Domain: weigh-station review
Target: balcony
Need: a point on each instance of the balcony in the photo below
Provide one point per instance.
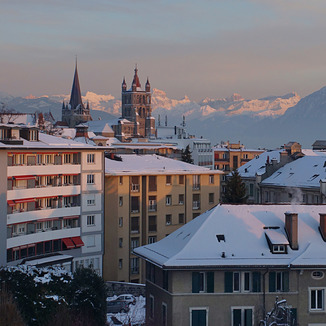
(152, 208)
(196, 187)
(43, 169)
(42, 236)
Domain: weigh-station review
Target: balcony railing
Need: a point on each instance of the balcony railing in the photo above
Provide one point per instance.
(152, 208)
(196, 187)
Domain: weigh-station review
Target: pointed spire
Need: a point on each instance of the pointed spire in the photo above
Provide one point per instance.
(124, 85)
(148, 86)
(136, 81)
(75, 97)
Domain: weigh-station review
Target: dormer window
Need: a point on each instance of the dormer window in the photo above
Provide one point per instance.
(279, 249)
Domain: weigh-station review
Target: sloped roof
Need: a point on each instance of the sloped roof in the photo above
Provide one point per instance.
(195, 245)
(257, 165)
(304, 172)
(152, 164)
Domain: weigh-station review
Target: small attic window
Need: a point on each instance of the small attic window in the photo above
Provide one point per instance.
(313, 177)
(279, 249)
(277, 174)
(220, 237)
(325, 164)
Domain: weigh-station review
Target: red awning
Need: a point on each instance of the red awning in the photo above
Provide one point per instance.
(77, 241)
(25, 200)
(69, 244)
(25, 177)
(11, 203)
(70, 217)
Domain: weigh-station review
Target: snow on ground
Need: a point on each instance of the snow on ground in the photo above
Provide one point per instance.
(135, 316)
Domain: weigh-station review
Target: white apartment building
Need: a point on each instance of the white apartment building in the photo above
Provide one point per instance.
(52, 200)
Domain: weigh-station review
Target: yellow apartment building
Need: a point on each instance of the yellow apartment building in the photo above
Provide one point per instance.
(147, 197)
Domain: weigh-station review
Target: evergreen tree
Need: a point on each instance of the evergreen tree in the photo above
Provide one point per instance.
(186, 155)
(235, 190)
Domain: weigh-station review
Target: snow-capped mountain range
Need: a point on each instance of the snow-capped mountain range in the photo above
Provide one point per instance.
(267, 122)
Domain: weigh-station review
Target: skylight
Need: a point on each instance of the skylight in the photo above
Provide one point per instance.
(220, 237)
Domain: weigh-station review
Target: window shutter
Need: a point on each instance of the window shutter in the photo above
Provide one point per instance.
(272, 279)
(256, 282)
(228, 282)
(210, 282)
(286, 286)
(195, 282)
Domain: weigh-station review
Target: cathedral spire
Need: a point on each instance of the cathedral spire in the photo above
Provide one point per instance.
(75, 97)
(136, 81)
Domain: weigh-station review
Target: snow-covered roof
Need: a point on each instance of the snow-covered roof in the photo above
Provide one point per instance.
(101, 126)
(48, 141)
(152, 164)
(196, 244)
(257, 165)
(304, 172)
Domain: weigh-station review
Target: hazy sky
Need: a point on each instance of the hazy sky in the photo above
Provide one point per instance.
(207, 48)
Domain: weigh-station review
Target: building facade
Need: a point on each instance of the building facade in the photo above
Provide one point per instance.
(148, 197)
(52, 192)
(231, 263)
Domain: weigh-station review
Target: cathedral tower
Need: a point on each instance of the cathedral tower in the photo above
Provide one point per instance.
(75, 112)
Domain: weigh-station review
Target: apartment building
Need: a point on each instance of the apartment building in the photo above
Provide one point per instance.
(147, 197)
(232, 262)
(52, 199)
(230, 156)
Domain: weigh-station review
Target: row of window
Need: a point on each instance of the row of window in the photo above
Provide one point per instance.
(40, 248)
(134, 265)
(152, 202)
(27, 182)
(32, 204)
(152, 181)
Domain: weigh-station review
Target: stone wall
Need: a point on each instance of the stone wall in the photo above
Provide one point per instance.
(117, 288)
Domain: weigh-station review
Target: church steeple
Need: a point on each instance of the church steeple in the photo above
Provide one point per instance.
(135, 82)
(124, 85)
(148, 86)
(75, 97)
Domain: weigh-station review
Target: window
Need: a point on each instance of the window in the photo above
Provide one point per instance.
(90, 158)
(90, 220)
(152, 206)
(164, 314)
(242, 316)
(317, 275)
(181, 179)
(151, 239)
(134, 243)
(211, 198)
(135, 224)
(134, 265)
(242, 282)
(196, 201)
(279, 281)
(135, 184)
(279, 249)
(90, 200)
(211, 179)
(67, 159)
(181, 218)
(91, 241)
(168, 200)
(152, 223)
(317, 298)
(120, 201)
(121, 180)
(151, 307)
(152, 186)
(120, 264)
(90, 179)
(202, 282)
(198, 317)
(120, 242)
(251, 189)
(168, 180)
(168, 219)
(181, 199)
(120, 222)
(134, 204)
(196, 182)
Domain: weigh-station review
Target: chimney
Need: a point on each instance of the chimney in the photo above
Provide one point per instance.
(322, 225)
(291, 228)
